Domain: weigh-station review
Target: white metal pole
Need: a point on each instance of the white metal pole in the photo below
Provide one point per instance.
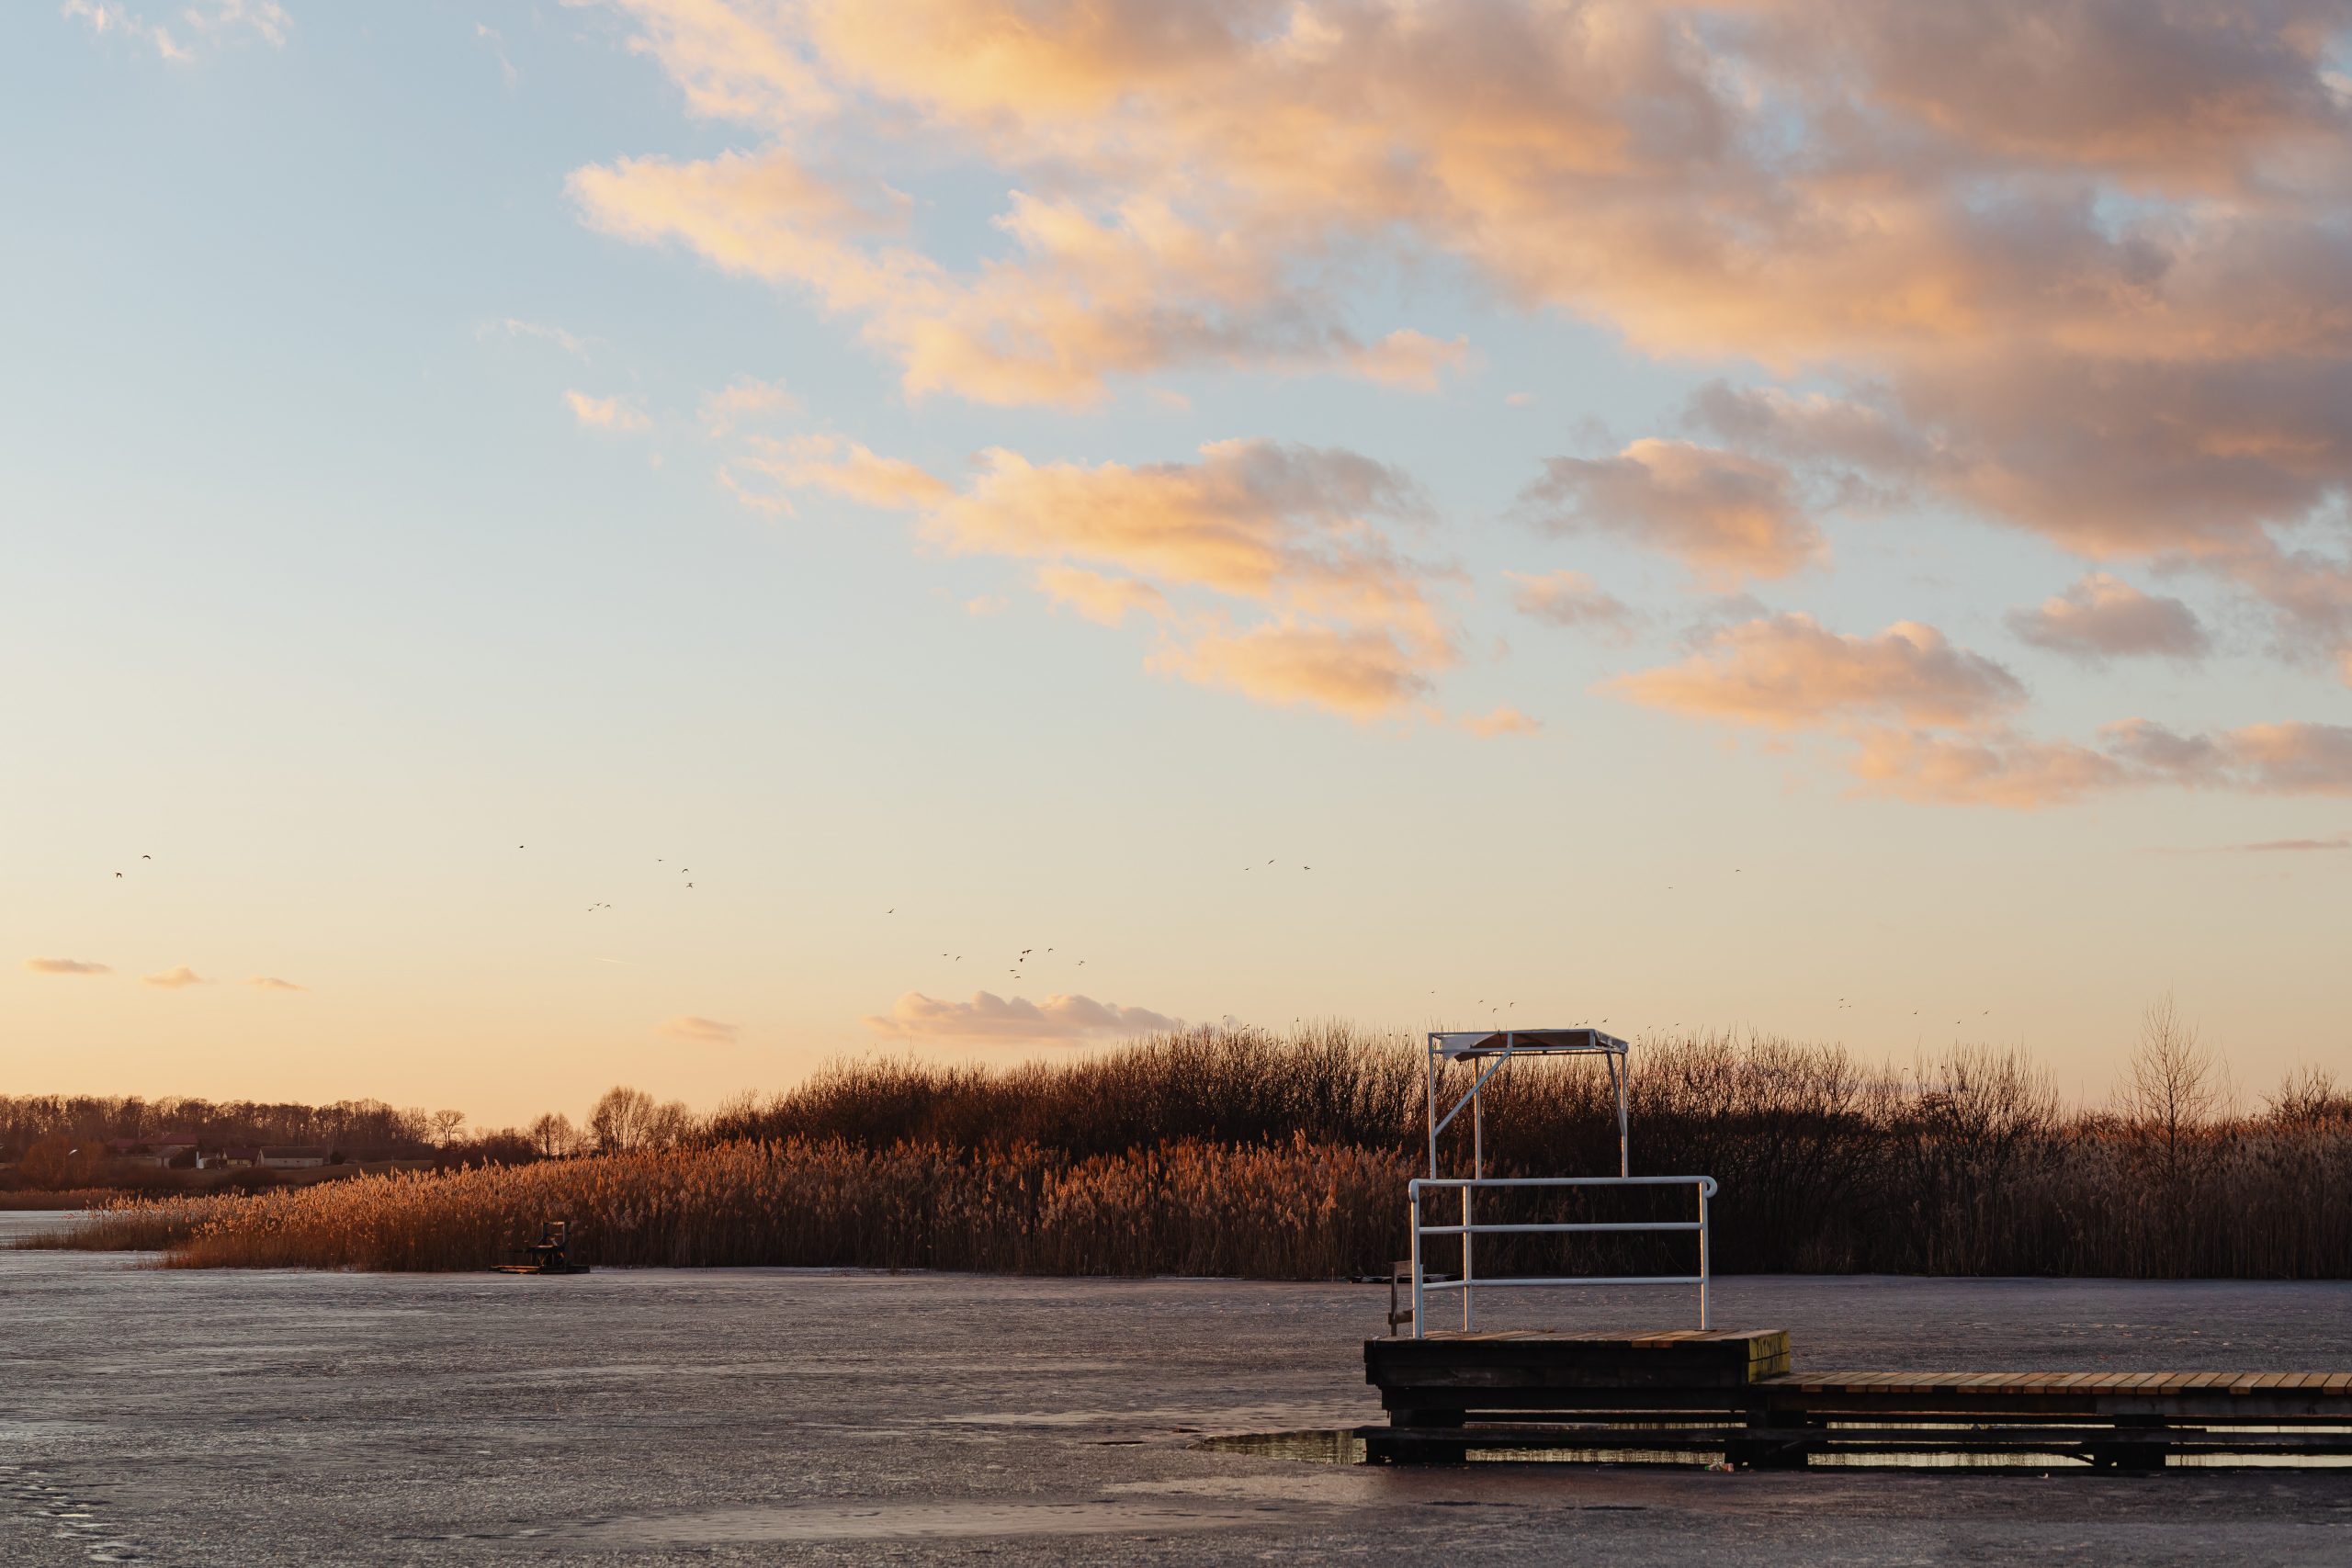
(1624, 1148)
(1478, 1170)
(1702, 1257)
(1413, 1212)
(1432, 1085)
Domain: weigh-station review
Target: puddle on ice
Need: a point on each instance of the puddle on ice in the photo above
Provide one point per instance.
(1341, 1445)
(920, 1521)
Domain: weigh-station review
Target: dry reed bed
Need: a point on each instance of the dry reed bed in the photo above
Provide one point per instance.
(1296, 1212)
(1238, 1153)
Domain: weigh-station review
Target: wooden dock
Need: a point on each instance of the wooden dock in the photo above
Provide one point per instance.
(1734, 1393)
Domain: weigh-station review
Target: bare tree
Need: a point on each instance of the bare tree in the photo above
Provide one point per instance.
(2310, 1096)
(622, 1121)
(447, 1125)
(2172, 1087)
(553, 1135)
(670, 1124)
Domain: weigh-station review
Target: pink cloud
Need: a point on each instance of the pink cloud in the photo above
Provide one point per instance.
(991, 1019)
(1790, 672)
(1573, 600)
(66, 966)
(1502, 721)
(1730, 518)
(2105, 617)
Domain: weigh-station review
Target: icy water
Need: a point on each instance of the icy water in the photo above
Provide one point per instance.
(728, 1416)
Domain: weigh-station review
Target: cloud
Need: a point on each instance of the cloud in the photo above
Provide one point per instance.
(991, 1019)
(2074, 267)
(745, 397)
(514, 326)
(1502, 721)
(1999, 771)
(846, 468)
(2291, 846)
(66, 966)
(2292, 758)
(986, 604)
(1297, 534)
(272, 982)
(606, 414)
(1730, 518)
(1362, 672)
(1106, 601)
(1790, 672)
(1407, 358)
(698, 1031)
(2006, 769)
(1571, 599)
(210, 19)
(174, 979)
(2102, 617)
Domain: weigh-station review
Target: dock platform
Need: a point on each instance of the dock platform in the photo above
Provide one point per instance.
(1735, 1392)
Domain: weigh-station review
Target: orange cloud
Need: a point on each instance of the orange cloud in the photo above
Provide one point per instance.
(991, 1019)
(2103, 616)
(1502, 721)
(2074, 267)
(1730, 518)
(1790, 672)
(846, 468)
(174, 980)
(1294, 531)
(1360, 672)
(1407, 358)
(2001, 770)
(698, 1031)
(745, 397)
(272, 982)
(1573, 600)
(1106, 601)
(605, 413)
(66, 966)
(2293, 758)
(2006, 769)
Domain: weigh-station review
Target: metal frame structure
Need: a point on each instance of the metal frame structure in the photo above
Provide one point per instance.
(1485, 1052)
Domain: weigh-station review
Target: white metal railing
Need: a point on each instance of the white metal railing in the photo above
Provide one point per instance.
(1703, 1186)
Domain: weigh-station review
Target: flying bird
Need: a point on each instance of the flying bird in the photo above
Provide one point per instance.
(146, 857)
(117, 874)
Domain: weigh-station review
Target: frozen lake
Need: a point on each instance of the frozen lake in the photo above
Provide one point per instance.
(258, 1418)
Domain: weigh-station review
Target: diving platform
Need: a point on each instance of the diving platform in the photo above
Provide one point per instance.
(1735, 1392)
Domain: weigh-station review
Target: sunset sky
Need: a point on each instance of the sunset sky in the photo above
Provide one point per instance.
(1823, 518)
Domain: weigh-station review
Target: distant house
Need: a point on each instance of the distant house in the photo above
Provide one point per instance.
(291, 1157)
(159, 1151)
(229, 1159)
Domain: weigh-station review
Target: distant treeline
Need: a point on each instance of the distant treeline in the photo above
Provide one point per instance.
(354, 1125)
(75, 1142)
(1237, 1151)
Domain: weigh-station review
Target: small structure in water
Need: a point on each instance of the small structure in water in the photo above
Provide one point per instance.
(1486, 1052)
(546, 1255)
(1705, 1393)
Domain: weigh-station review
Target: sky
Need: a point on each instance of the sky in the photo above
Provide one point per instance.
(667, 541)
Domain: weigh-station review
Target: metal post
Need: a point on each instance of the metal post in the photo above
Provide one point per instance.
(1703, 1325)
(1617, 1081)
(1413, 1209)
(1477, 1172)
(1432, 1083)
